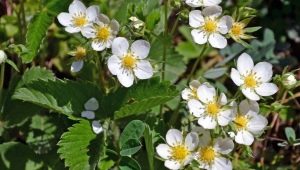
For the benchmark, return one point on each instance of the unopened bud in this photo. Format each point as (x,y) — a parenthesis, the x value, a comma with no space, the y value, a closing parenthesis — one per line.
(289,80)
(3,57)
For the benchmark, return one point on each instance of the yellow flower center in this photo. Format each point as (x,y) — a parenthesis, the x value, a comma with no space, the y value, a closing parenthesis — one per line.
(213,109)
(80,53)
(210,26)
(129,61)
(241,122)
(179,153)
(250,81)
(103,33)
(80,21)
(237,29)
(207,154)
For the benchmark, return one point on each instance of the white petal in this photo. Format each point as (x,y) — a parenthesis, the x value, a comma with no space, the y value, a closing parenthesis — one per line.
(186,93)
(211,2)
(174,165)
(77,7)
(204,136)
(225,117)
(120,46)
(88,32)
(143,70)
(250,94)
(245,64)
(163,150)
(104,19)
(236,77)
(213,11)
(257,124)
(244,137)
(194,3)
(114,25)
(266,89)
(199,36)
(195,107)
(92,13)
(207,122)
(114,64)
(217,40)
(76,66)
(222,99)
(224,145)
(263,71)
(206,93)
(65,19)
(224,24)
(88,114)
(97,128)
(71,29)
(98,46)
(92,104)
(246,105)
(191,141)
(174,137)
(221,163)
(196,19)
(140,48)
(126,78)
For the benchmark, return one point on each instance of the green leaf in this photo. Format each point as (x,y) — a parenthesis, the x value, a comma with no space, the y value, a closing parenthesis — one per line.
(73,146)
(38,26)
(66,97)
(252,29)
(12,64)
(290,134)
(130,147)
(149,146)
(134,130)
(128,163)
(215,73)
(142,97)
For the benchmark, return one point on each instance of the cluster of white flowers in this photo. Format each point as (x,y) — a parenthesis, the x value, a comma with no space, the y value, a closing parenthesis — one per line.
(125,63)
(241,121)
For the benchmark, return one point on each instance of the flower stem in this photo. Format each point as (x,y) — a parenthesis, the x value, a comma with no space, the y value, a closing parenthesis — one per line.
(1,82)
(196,63)
(166,6)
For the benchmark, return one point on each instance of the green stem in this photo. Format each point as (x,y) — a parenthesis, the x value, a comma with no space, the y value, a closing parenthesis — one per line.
(166,6)
(196,64)
(175,25)
(1,82)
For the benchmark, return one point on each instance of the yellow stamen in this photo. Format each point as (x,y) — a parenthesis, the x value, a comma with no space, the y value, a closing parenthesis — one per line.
(210,26)
(241,122)
(179,153)
(80,21)
(213,109)
(207,154)
(129,61)
(250,81)
(103,33)
(80,53)
(237,29)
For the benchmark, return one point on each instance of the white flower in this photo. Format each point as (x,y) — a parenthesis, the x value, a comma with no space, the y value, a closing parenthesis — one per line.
(253,80)
(210,155)
(78,17)
(178,151)
(211,109)
(3,56)
(209,26)
(199,3)
(191,92)
(289,80)
(90,107)
(97,127)
(127,63)
(79,55)
(102,32)
(248,123)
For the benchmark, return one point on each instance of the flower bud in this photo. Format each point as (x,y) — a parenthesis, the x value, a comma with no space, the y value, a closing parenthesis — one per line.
(136,23)
(3,57)
(289,80)
(176,3)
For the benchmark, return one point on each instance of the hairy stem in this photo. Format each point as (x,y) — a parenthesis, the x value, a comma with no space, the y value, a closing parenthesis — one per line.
(196,63)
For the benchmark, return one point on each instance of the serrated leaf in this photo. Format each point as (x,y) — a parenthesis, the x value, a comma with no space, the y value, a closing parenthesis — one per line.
(128,163)
(130,147)
(134,130)
(73,146)
(38,26)
(143,96)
